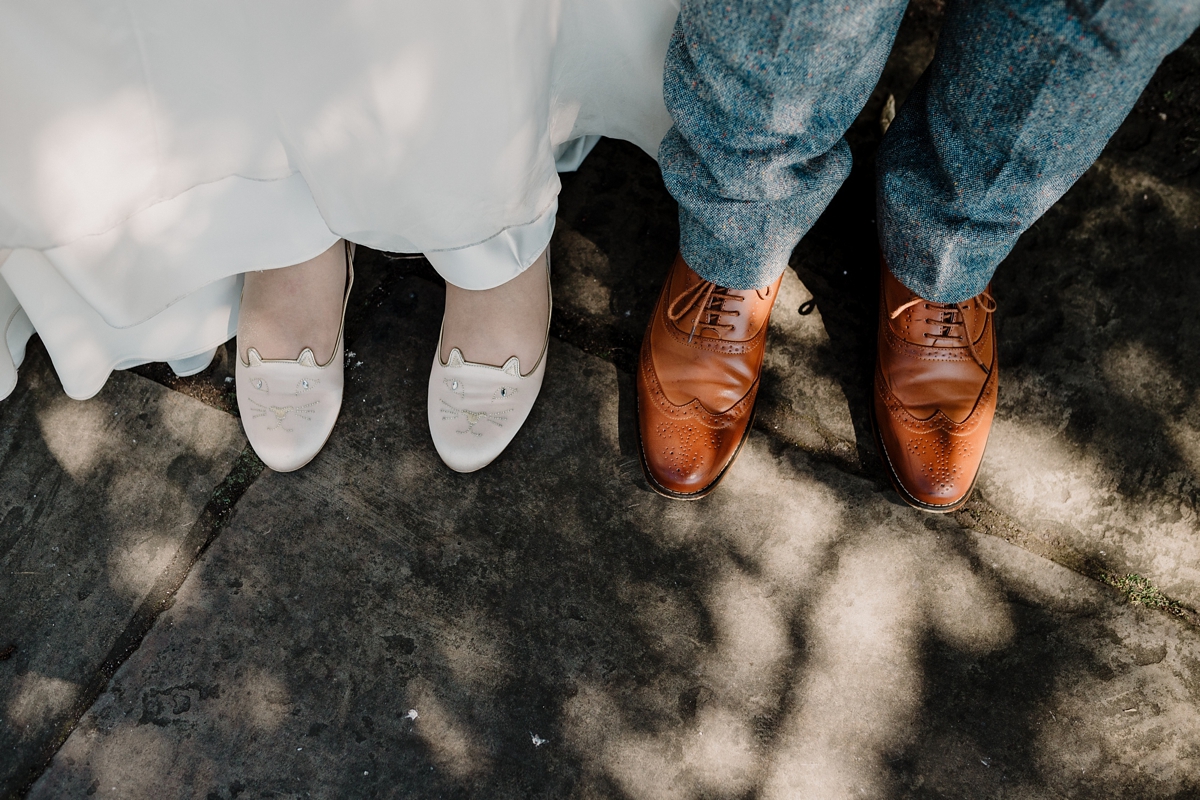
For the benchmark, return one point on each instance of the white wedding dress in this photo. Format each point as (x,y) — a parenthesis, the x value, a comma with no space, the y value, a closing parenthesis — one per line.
(151,152)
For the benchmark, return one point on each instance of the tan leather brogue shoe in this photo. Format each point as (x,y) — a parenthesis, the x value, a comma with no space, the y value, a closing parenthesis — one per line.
(935,393)
(698,379)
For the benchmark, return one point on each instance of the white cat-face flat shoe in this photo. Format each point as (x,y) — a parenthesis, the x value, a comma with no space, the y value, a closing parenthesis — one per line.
(289,406)
(475,410)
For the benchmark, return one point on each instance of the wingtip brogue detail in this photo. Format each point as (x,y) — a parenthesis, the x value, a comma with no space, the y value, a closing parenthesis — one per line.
(698,379)
(936,385)
(932,462)
(686,448)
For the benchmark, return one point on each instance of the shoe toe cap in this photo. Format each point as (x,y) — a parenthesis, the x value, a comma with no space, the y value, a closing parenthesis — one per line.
(286,437)
(475,412)
(937,468)
(467,444)
(286,451)
(684,456)
(284,459)
(467,459)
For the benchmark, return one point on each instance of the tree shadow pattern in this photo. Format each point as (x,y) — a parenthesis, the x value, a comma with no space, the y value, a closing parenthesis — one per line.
(379,627)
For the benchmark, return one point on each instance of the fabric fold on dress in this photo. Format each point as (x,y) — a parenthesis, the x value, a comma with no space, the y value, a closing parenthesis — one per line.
(151,153)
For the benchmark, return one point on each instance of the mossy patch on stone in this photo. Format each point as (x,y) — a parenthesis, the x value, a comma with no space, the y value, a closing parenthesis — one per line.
(1141,591)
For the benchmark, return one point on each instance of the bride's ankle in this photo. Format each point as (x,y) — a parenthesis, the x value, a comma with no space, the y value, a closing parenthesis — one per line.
(492,325)
(286,310)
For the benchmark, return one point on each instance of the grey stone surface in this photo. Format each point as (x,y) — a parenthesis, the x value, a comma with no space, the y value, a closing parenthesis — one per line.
(95,499)
(1097,441)
(378,626)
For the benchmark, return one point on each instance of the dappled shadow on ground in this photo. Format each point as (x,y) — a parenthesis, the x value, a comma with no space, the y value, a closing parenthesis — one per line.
(95,498)
(376,626)
(1097,437)
(1097,442)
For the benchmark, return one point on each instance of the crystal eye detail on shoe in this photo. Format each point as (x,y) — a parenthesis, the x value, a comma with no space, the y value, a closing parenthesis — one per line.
(303,385)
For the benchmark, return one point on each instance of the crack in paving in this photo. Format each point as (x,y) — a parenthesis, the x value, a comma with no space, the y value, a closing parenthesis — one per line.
(981,516)
(200,536)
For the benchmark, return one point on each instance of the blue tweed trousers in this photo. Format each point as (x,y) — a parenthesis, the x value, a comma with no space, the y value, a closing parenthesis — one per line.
(1018,102)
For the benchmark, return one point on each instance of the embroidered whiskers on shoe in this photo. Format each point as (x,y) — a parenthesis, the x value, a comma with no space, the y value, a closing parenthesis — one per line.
(283,415)
(474,417)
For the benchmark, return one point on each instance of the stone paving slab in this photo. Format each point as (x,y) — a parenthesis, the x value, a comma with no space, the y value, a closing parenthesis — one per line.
(378,626)
(1097,439)
(559,631)
(96,498)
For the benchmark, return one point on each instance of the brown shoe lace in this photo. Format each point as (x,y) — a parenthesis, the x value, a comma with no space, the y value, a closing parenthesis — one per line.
(708,301)
(953,316)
